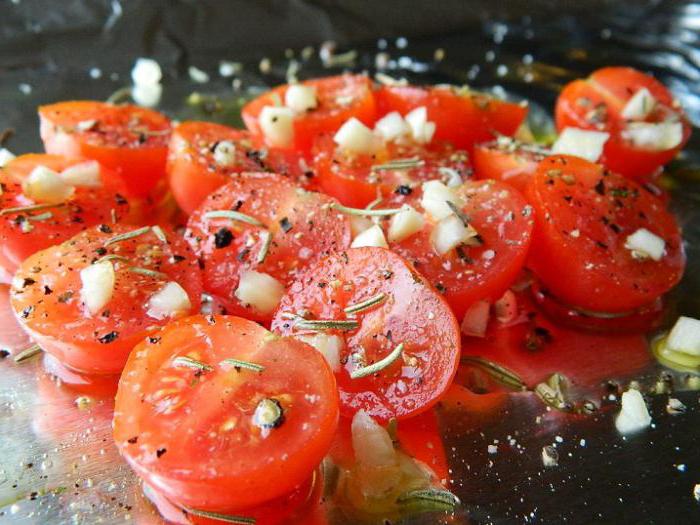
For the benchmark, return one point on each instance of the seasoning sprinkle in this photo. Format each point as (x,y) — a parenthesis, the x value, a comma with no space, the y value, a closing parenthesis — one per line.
(159,233)
(265,248)
(28,353)
(367,303)
(368,212)
(127,236)
(147,272)
(399,164)
(500,373)
(225,518)
(237,363)
(428,499)
(32,207)
(188,362)
(379,365)
(234,216)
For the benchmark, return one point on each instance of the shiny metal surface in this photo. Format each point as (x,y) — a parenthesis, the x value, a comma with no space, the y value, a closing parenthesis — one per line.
(58,464)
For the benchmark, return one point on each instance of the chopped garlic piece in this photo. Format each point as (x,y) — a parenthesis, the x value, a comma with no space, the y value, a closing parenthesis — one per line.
(581,143)
(373,236)
(260,290)
(658,136)
(355,137)
(170,301)
(97,285)
(371,442)
(405,223)
(197,75)
(645,244)
(45,185)
(685,336)
(146,72)
(84,175)
(5,157)
(639,105)
(225,153)
(421,129)
(449,233)
(476,319)
(330,347)
(300,98)
(392,126)
(435,197)
(277,124)
(634,415)
(147,95)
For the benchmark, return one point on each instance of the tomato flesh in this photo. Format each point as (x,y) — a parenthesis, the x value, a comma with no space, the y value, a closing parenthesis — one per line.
(130,140)
(302,225)
(192,434)
(46,295)
(507,161)
(25,233)
(412,313)
(583,216)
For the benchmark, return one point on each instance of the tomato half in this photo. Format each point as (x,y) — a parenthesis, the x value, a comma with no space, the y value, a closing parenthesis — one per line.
(202,156)
(583,216)
(338,98)
(410,313)
(301,224)
(508,161)
(130,140)
(597,102)
(23,233)
(211,434)
(461,117)
(467,274)
(357,180)
(47,300)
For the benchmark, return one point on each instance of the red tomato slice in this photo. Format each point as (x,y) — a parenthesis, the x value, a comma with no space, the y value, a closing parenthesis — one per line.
(502,220)
(46,295)
(130,140)
(596,103)
(302,226)
(200,160)
(508,161)
(211,435)
(356,180)
(412,313)
(461,117)
(23,233)
(338,99)
(591,268)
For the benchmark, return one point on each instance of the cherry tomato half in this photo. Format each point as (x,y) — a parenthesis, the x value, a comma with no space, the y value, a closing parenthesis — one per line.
(408,315)
(48,301)
(583,217)
(597,103)
(508,161)
(210,433)
(130,140)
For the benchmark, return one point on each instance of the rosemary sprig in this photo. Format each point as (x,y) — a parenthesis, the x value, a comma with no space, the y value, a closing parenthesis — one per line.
(234,216)
(159,233)
(459,213)
(28,353)
(40,217)
(112,257)
(265,248)
(31,207)
(426,500)
(319,325)
(127,236)
(364,211)
(147,272)
(188,362)
(379,365)
(367,303)
(399,164)
(120,95)
(237,363)
(376,202)
(225,518)
(500,373)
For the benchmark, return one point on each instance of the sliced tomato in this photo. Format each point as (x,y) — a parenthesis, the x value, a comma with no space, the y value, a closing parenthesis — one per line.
(26,230)
(357,180)
(410,313)
(47,300)
(130,140)
(461,117)
(210,434)
(301,224)
(202,156)
(584,215)
(508,161)
(597,102)
(501,218)
(338,98)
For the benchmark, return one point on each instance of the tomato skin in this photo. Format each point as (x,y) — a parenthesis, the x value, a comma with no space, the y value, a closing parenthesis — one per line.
(329,114)
(116,140)
(193,172)
(350,178)
(513,164)
(604,95)
(413,313)
(48,300)
(149,422)
(88,207)
(462,119)
(311,230)
(593,270)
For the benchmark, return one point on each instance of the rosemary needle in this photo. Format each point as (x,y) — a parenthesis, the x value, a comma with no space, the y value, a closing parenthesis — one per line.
(379,365)
(188,362)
